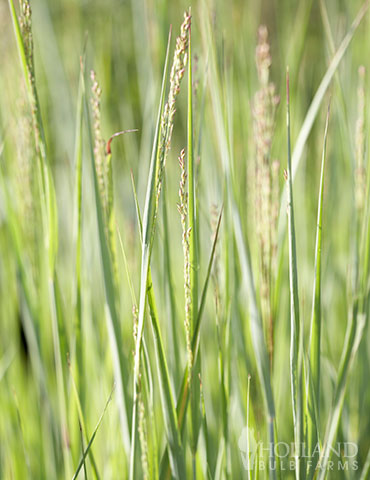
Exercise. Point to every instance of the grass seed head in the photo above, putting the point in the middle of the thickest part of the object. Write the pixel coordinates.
(182, 208)
(266, 188)
(360, 175)
(99, 144)
(176, 75)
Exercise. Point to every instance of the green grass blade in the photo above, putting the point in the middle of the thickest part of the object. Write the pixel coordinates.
(194, 262)
(77, 234)
(114, 329)
(366, 470)
(315, 338)
(82, 423)
(49, 224)
(354, 334)
(183, 397)
(87, 450)
(147, 240)
(174, 349)
(147, 378)
(256, 328)
(295, 327)
(315, 105)
(168, 403)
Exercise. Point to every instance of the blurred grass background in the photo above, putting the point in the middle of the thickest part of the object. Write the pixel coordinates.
(126, 44)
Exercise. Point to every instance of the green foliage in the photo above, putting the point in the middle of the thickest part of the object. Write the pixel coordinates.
(202, 328)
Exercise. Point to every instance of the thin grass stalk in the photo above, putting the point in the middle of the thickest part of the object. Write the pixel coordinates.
(366, 470)
(77, 234)
(194, 262)
(248, 445)
(147, 377)
(168, 404)
(295, 354)
(315, 337)
(87, 450)
(169, 286)
(82, 423)
(223, 334)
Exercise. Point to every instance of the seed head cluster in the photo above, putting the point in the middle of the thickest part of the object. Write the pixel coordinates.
(143, 435)
(182, 207)
(99, 143)
(176, 75)
(25, 23)
(360, 174)
(266, 170)
(103, 165)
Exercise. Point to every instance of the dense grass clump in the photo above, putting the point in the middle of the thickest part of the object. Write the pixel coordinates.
(184, 240)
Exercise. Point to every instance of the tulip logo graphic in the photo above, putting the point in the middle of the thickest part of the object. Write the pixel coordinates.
(248, 447)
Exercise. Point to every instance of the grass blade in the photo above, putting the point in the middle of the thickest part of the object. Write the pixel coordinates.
(77, 234)
(315, 338)
(110, 310)
(194, 263)
(147, 377)
(147, 240)
(314, 108)
(174, 349)
(48, 214)
(86, 452)
(82, 424)
(354, 333)
(366, 470)
(295, 351)
(183, 397)
(168, 403)
(256, 328)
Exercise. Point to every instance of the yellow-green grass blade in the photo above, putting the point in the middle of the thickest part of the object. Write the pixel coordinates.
(256, 329)
(172, 312)
(50, 227)
(110, 216)
(295, 326)
(87, 450)
(354, 334)
(47, 192)
(77, 237)
(366, 470)
(314, 108)
(148, 228)
(313, 373)
(167, 399)
(146, 366)
(194, 262)
(183, 396)
(82, 423)
(114, 329)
